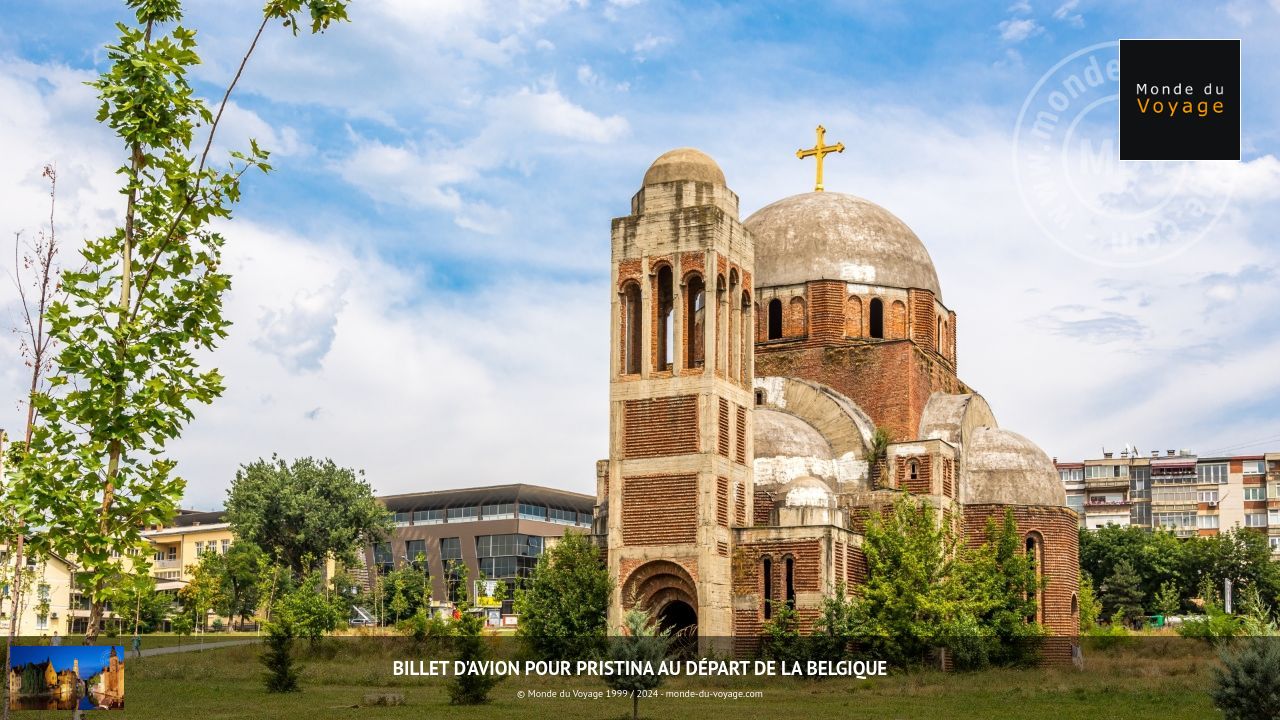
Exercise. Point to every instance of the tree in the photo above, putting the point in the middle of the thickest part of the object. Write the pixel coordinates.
(782, 639)
(310, 611)
(35, 276)
(203, 592)
(999, 590)
(1088, 603)
(145, 303)
(1167, 600)
(470, 688)
(302, 512)
(282, 670)
(836, 627)
(240, 581)
(1245, 684)
(641, 642)
(563, 606)
(136, 601)
(1122, 592)
(911, 592)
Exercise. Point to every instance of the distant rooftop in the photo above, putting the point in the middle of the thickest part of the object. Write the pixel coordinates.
(518, 492)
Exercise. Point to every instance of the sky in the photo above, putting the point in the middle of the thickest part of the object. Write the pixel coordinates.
(420, 288)
(92, 659)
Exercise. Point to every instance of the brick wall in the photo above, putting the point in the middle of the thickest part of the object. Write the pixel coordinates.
(748, 579)
(650, 515)
(826, 309)
(1059, 529)
(660, 426)
(891, 381)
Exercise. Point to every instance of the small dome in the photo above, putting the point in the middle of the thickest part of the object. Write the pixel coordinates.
(833, 236)
(807, 491)
(684, 164)
(781, 434)
(1005, 468)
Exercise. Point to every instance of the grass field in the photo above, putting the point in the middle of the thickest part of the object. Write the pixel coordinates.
(1142, 680)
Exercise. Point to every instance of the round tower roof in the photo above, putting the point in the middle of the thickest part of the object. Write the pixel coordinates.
(684, 164)
(834, 236)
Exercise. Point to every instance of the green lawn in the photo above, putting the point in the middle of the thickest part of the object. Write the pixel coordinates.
(1142, 681)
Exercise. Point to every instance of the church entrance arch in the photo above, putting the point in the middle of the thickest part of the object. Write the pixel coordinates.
(667, 592)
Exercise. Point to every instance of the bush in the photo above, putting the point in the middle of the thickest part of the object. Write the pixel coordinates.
(1247, 685)
(1215, 624)
(282, 671)
(471, 688)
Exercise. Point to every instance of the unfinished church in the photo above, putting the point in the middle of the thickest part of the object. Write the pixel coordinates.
(751, 364)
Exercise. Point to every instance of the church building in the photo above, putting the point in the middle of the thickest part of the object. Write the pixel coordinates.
(753, 363)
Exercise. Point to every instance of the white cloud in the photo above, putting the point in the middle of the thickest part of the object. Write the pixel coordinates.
(1019, 29)
(516, 127)
(1066, 13)
(300, 334)
(646, 46)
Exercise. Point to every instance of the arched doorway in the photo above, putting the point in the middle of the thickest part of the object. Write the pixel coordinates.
(666, 591)
(677, 617)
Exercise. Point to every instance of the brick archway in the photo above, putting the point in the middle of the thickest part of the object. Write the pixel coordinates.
(657, 584)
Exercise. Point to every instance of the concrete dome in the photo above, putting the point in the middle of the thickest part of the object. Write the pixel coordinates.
(781, 434)
(806, 491)
(684, 164)
(833, 236)
(1006, 468)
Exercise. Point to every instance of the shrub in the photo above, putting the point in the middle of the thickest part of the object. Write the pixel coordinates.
(640, 642)
(282, 671)
(1247, 685)
(471, 688)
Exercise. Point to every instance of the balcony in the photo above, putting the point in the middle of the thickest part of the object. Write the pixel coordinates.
(1107, 482)
(167, 564)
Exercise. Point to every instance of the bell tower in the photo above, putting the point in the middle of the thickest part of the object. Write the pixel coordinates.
(681, 338)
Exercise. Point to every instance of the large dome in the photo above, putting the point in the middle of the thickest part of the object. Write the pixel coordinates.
(833, 236)
(1005, 468)
(781, 434)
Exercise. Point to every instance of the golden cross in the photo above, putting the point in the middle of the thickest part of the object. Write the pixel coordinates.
(819, 150)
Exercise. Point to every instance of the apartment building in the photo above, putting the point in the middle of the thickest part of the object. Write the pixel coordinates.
(1176, 490)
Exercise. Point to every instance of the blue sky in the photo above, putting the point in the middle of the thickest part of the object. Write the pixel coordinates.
(92, 659)
(420, 287)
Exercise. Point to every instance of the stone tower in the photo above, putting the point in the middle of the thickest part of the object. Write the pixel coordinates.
(681, 364)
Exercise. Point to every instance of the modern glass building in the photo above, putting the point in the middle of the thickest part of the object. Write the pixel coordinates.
(497, 532)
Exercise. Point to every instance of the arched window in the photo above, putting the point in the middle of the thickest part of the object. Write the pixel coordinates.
(747, 322)
(631, 323)
(913, 468)
(853, 316)
(775, 319)
(877, 318)
(938, 338)
(696, 321)
(1035, 555)
(791, 582)
(797, 317)
(729, 319)
(666, 330)
(766, 572)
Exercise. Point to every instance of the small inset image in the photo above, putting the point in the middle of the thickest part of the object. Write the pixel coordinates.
(44, 677)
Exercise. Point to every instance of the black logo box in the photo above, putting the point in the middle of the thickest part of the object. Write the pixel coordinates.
(1160, 77)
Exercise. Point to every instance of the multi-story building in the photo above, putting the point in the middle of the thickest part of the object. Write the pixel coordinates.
(498, 532)
(1177, 490)
(48, 595)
